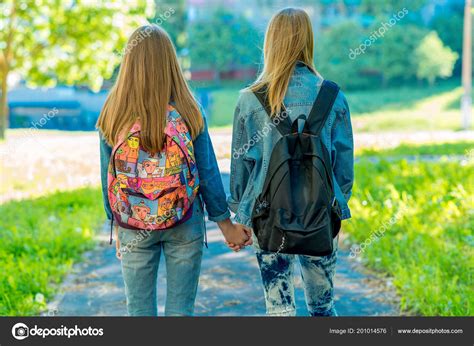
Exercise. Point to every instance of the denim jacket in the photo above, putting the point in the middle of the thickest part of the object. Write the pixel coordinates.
(211, 189)
(251, 151)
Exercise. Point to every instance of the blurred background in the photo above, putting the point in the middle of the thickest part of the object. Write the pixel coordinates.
(405, 67)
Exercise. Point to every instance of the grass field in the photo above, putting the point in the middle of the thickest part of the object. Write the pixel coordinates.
(459, 148)
(395, 109)
(41, 239)
(414, 222)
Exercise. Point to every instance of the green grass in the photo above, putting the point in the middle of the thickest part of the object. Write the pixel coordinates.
(223, 106)
(40, 240)
(433, 112)
(416, 222)
(449, 148)
(393, 109)
(395, 99)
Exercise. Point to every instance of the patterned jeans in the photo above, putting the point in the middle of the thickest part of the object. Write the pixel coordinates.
(277, 277)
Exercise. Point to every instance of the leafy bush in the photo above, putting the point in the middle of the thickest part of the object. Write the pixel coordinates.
(40, 240)
(433, 59)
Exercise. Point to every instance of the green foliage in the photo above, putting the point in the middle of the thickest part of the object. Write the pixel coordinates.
(358, 57)
(71, 42)
(434, 59)
(223, 41)
(393, 54)
(386, 7)
(176, 24)
(332, 55)
(449, 28)
(428, 249)
(40, 240)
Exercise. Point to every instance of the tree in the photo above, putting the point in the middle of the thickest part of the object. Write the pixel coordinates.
(224, 41)
(175, 25)
(361, 58)
(338, 57)
(392, 54)
(434, 59)
(49, 42)
(449, 28)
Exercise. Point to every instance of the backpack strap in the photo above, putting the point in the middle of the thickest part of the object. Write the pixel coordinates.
(283, 126)
(322, 106)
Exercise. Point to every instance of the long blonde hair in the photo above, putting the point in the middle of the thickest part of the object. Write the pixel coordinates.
(149, 78)
(289, 38)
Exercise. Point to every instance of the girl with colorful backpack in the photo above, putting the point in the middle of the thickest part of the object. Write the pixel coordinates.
(158, 167)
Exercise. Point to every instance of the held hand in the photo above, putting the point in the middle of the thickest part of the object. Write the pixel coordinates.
(236, 235)
(237, 247)
(248, 231)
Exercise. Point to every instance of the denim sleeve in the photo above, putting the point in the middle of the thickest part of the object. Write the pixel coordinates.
(238, 173)
(342, 152)
(105, 152)
(210, 182)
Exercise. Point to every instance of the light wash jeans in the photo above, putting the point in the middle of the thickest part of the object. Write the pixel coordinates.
(182, 247)
(277, 278)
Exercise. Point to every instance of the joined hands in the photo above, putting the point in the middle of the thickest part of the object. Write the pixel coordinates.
(236, 236)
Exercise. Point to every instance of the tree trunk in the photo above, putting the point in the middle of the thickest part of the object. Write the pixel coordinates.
(7, 57)
(4, 106)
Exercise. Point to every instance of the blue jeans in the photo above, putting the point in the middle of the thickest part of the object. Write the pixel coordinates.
(277, 277)
(182, 248)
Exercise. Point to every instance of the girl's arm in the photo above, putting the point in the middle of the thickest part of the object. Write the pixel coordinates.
(213, 194)
(342, 153)
(105, 152)
(238, 173)
(210, 182)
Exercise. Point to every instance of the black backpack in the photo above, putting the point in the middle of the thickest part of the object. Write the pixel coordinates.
(297, 212)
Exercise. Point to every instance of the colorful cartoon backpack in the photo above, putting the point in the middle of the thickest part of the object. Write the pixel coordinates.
(153, 192)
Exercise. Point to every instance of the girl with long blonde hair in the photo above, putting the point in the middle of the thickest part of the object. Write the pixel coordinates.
(281, 106)
(158, 166)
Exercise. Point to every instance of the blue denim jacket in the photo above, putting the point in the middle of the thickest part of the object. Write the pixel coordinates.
(211, 189)
(251, 152)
